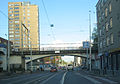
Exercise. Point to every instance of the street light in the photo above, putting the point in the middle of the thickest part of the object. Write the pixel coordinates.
(90, 37)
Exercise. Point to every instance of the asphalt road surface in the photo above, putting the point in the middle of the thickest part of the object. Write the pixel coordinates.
(60, 77)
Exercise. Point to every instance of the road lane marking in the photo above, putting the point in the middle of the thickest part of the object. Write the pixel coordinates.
(42, 78)
(26, 79)
(91, 79)
(63, 78)
(107, 80)
(48, 79)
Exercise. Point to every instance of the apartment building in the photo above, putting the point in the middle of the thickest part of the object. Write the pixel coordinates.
(23, 25)
(108, 24)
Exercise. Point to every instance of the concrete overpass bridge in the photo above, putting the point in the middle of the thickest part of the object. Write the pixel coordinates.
(51, 51)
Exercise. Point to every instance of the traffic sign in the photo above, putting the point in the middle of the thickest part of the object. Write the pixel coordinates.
(86, 44)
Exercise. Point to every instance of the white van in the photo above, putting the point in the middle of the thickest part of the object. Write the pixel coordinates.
(70, 67)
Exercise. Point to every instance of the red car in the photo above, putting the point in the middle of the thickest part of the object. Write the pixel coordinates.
(53, 69)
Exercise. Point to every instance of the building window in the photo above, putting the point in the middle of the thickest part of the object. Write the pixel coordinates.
(11, 39)
(11, 31)
(11, 28)
(17, 35)
(16, 14)
(16, 4)
(11, 35)
(10, 11)
(10, 8)
(110, 7)
(110, 22)
(28, 14)
(16, 25)
(106, 12)
(17, 32)
(111, 38)
(11, 5)
(106, 26)
(16, 21)
(16, 8)
(11, 25)
(10, 21)
(16, 18)
(17, 39)
(16, 11)
(11, 15)
(107, 41)
(28, 11)
(28, 17)
(16, 28)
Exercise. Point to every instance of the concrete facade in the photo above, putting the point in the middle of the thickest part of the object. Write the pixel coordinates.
(108, 24)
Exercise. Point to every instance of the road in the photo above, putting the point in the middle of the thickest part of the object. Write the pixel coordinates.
(60, 77)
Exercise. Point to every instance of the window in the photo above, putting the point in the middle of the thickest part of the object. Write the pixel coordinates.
(16, 25)
(106, 10)
(100, 32)
(23, 14)
(16, 4)
(10, 11)
(10, 8)
(10, 21)
(28, 11)
(110, 7)
(17, 39)
(16, 11)
(28, 14)
(16, 18)
(28, 17)
(111, 38)
(11, 28)
(11, 35)
(17, 32)
(16, 14)
(11, 15)
(17, 42)
(11, 31)
(110, 22)
(11, 25)
(107, 41)
(16, 28)
(16, 21)
(106, 26)
(17, 35)
(11, 5)
(11, 39)
(16, 8)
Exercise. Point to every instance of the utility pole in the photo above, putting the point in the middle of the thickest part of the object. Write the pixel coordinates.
(90, 38)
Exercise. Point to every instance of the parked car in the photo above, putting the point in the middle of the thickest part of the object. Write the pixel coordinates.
(53, 69)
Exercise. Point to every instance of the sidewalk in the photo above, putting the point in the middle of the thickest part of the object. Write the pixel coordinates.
(113, 78)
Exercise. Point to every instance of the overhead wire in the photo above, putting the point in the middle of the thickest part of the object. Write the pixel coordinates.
(48, 20)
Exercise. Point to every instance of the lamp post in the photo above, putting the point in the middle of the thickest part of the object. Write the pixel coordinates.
(90, 38)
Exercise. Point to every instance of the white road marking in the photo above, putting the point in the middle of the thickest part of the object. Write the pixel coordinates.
(19, 80)
(91, 79)
(37, 79)
(107, 80)
(63, 78)
(48, 79)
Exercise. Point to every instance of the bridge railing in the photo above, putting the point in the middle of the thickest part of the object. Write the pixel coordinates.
(49, 49)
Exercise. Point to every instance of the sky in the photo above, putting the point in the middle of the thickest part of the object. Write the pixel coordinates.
(69, 17)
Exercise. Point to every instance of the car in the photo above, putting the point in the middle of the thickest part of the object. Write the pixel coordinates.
(53, 69)
(70, 67)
